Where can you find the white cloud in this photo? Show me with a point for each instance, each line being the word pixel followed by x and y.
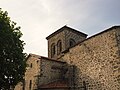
pixel 39 18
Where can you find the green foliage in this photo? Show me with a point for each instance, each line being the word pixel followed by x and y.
pixel 12 58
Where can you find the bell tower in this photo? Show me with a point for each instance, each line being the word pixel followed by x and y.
pixel 62 39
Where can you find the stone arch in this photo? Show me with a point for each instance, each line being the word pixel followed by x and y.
pixel 59 47
pixel 53 50
pixel 72 42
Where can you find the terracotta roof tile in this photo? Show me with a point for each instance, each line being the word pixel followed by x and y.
pixel 56 84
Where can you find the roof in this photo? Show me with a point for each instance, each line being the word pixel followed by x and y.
pixel 52 59
pixel 109 29
pixel 59 84
pixel 63 28
pixel 46 58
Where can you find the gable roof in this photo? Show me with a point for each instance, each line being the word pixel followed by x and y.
pixel 63 28
pixel 42 57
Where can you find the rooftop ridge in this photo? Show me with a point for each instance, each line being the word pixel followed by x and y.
pixel 62 28
pixel 38 56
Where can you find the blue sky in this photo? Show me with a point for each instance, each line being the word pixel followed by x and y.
pixel 39 18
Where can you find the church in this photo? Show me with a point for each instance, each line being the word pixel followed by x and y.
pixel 76 62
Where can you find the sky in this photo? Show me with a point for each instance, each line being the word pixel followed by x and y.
pixel 40 18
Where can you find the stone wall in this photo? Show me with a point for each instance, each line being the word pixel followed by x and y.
pixel 33 70
pixel 116 64
pixel 77 37
pixel 97 61
pixel 50 71
pixel 40 71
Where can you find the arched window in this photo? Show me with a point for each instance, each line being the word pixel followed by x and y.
pixel 71 42
pixel 52 50
pixel 59 47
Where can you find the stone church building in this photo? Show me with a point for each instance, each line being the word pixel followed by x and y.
pixel 76 62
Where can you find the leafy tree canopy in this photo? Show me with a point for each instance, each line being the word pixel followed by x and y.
pixel 12 58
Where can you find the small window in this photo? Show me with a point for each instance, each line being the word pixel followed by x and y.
pixel 59 47
pixel 30 85
pixel 31 65
pixel 52 50
pixel 71 42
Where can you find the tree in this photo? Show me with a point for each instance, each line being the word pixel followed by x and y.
pixel 12 58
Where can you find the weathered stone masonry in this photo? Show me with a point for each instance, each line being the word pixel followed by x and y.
pixel 97 60
pixel 90 64
pixel 64 34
